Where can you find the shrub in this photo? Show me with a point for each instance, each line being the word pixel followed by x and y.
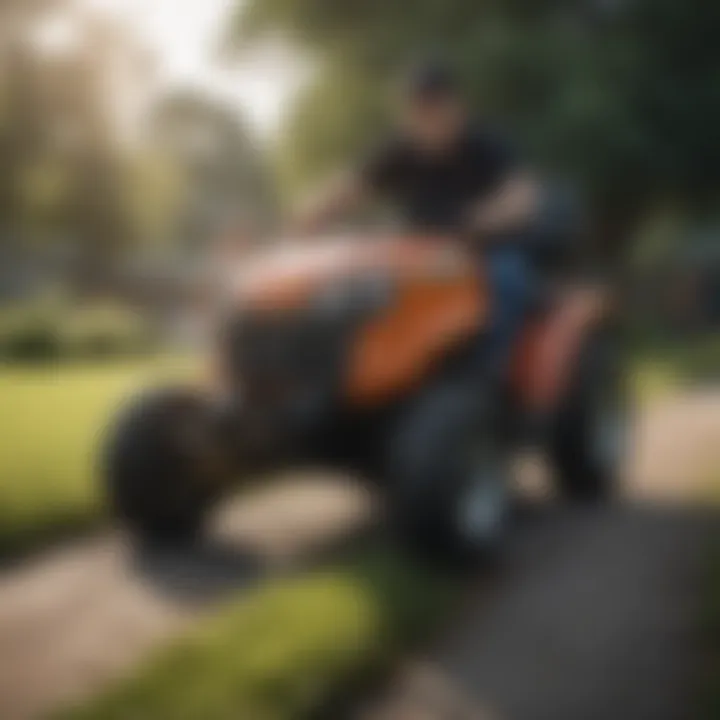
pixel 104 331
pixel 38 332
pixel 28 334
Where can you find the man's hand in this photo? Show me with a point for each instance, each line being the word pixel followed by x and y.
pixel 512 207
pixel 342 195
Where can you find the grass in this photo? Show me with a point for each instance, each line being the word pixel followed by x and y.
pixel 287 651
pixel 51 420
pixel 658 368
pixel 283 651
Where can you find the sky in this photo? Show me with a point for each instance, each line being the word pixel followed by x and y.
pixel 183 35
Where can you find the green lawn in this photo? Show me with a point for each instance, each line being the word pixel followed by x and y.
pixel 288 649
pixel 280 652
pixel 658 368
pixel 51 422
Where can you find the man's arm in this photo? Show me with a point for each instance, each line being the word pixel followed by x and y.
pixel 375 176
pixel 340 196
pixel 512 206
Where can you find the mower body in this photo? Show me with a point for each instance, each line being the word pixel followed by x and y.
pixel 354 352
pixel 349 329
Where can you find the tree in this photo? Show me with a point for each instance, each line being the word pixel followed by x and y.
pixel 224 171
pixel 624 94
pixel 62 166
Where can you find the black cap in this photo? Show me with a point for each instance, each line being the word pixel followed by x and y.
pixel 430 80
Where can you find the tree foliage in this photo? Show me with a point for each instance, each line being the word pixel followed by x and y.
pixel 624 94
pixel 79 173
pixel 224 171
pixel 62 166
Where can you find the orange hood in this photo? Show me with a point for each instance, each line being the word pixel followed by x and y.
pixel 287 275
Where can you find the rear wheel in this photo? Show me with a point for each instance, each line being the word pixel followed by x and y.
pixel 162 466
pixel 448 472
pixel 591 430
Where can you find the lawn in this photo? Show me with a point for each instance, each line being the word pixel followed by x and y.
pixel 51 423
pixel 657 368
pixel 289 649
pixel 280 652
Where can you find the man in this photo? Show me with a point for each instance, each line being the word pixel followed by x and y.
pixel 446 173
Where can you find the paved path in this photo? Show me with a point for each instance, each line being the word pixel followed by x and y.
pixel 77 617
pixel 595 615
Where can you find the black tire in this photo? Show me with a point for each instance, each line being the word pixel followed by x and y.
pixel 432 467
pixel 155 482
pixel 596 406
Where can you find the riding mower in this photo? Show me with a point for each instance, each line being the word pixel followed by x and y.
pixel 352 353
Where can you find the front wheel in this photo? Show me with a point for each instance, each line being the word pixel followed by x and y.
pixel 591 429
pixel 161 465
pixel 448 471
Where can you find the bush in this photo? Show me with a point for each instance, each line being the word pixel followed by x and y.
pixel 104 331
pixel 27 333
pixel 43 332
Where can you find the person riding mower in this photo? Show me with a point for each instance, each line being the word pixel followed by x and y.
pixel 420 360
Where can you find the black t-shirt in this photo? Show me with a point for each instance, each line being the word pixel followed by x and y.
pixel 436 192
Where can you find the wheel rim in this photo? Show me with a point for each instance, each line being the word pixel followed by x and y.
pixel 609 433
pixel 609 421
pixel 483 507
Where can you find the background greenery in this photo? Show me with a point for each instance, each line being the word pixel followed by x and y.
pixel 623 96
pixel 52 424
